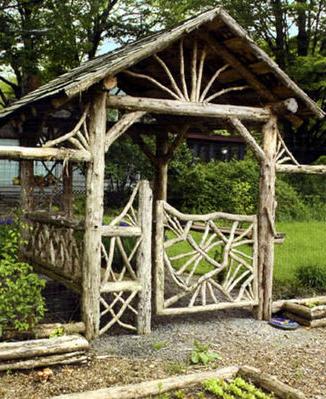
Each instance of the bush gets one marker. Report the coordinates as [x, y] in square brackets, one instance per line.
[230, 187]
[21, 301]
[216, 186]
[289, 204]
[313, 276]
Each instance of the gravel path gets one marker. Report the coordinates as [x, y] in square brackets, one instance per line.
[297, 357]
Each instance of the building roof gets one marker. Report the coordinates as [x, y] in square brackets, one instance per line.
[80, 79]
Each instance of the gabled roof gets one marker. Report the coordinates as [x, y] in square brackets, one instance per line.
[80, 79]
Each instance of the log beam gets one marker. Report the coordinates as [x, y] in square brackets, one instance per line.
[93, 218]
[176, 107]
[43, 154]
[249, 139]
[308, 169]
[121, 126]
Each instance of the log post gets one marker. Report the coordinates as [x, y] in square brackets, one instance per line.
[161, 172]
[26, 171]
[68, 189]
[26, 184]
[144, 260]
[266, 218]
[91, 273]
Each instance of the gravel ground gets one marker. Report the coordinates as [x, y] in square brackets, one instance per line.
[296, 357]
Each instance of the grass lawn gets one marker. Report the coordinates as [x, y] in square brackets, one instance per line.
[305, 244]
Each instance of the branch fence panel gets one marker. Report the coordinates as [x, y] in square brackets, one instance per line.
[126, 265]
[205, 262]
[55, 245]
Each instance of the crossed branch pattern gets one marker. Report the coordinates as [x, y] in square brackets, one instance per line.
[119, 265]
[189, 89]
[207, 264]
[57, 248]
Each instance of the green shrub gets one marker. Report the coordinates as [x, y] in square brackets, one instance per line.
[216, 186]
[289, 204]
[313, 276]
[21, 301]
[230, 187]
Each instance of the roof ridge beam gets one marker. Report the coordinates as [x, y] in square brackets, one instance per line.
[185, 108]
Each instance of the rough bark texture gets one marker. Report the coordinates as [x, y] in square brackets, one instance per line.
[176, 107]
[93, 217]
[266, 216]
[144, 259]
[152, 388]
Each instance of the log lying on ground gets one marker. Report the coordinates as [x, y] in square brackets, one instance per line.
[151, 388]
[305, 322]
[270, 383]
[41, 352]
[52, 360]
[278, 305]
[45, 331]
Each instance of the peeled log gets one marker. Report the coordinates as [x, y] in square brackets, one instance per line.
[42, 347]
[270, 383]
[44, 361]
[151, 388]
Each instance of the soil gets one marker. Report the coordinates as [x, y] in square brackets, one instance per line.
[295, 357]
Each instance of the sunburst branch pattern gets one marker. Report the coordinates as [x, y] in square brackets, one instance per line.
[283, 154]
[78, 137]
[181, 90]
[206, 264]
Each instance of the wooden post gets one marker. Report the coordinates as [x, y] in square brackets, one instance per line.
[161, 172]
[159, 258]
[144, 259]
[68, 195]
[26, 172]
[26, 184]
[91, 273]
[266, 217]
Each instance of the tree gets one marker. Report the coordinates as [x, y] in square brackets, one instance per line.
[41, 39]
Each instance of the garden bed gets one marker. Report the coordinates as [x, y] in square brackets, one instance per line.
[227, 383]
[311, 313]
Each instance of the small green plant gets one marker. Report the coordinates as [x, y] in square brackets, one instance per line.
[202, 354]
[312, 305]
[173, 368]
[180, 394]
[159, 345]
[57, 332]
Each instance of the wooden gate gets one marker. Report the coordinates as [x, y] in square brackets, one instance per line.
[204, 262]
[125, 290]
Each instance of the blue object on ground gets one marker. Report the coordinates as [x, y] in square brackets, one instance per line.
[283, 323]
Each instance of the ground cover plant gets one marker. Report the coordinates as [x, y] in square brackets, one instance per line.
[237, 388]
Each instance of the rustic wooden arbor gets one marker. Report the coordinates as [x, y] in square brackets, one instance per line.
[204, 73]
